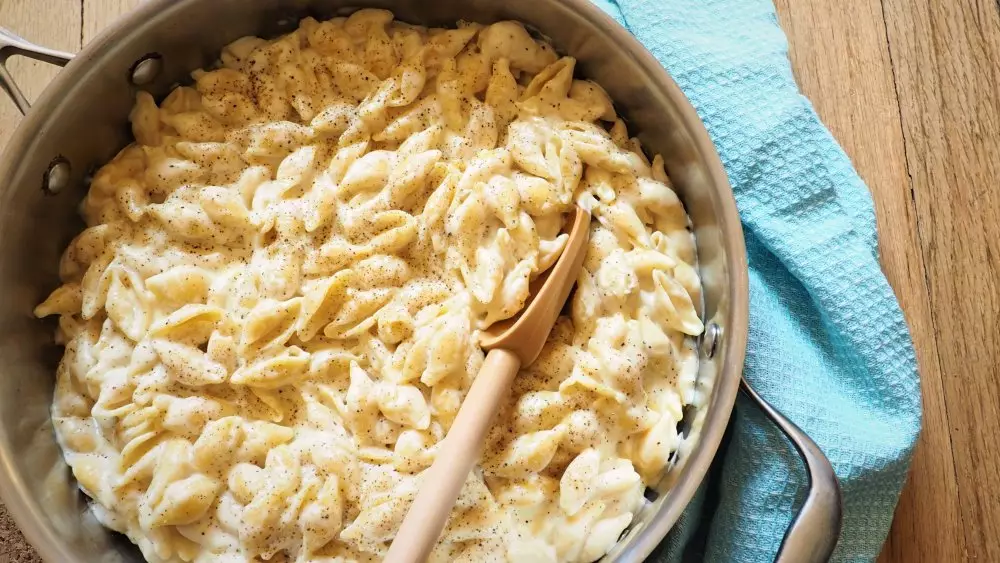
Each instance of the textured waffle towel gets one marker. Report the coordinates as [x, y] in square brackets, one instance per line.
[828, 345]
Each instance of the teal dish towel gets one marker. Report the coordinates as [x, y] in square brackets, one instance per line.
[828, 345]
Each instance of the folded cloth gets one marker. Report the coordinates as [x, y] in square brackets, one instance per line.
[828, 345]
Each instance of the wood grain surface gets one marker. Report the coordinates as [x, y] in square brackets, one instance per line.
[911, 89]
[945, 60]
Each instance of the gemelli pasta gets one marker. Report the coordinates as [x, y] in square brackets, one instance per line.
[273, 315]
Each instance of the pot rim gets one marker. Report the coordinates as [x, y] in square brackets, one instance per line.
[33, 524]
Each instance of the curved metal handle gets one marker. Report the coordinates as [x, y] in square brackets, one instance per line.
[11, 44]
[813, 534]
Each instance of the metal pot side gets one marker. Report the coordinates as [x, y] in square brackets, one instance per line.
[82, 119]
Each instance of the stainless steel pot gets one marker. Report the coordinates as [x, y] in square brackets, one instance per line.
[80, 122]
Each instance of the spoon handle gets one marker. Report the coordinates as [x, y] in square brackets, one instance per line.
[813, 534]
[459, 451]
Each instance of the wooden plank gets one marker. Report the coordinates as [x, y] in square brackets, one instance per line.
[841, 58]
[52, 23]
[56, 24]
[945, 60]
[98, 14]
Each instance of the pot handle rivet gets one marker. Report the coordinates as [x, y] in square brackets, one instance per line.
[57, 176]
[146, 69]
[710, 340]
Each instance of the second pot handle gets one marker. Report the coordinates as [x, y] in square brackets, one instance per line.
[813, 534]
[11, 44]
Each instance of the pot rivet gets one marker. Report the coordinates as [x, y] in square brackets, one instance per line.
[710, 340]
[56, 177]
[146, 69]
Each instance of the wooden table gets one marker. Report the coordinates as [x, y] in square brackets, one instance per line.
[911, 88]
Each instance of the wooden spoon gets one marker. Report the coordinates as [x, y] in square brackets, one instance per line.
[511, 344]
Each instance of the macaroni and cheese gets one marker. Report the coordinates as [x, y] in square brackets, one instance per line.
[273, 315]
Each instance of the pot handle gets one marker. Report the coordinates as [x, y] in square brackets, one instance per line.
[813, 534]
[10, 45]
